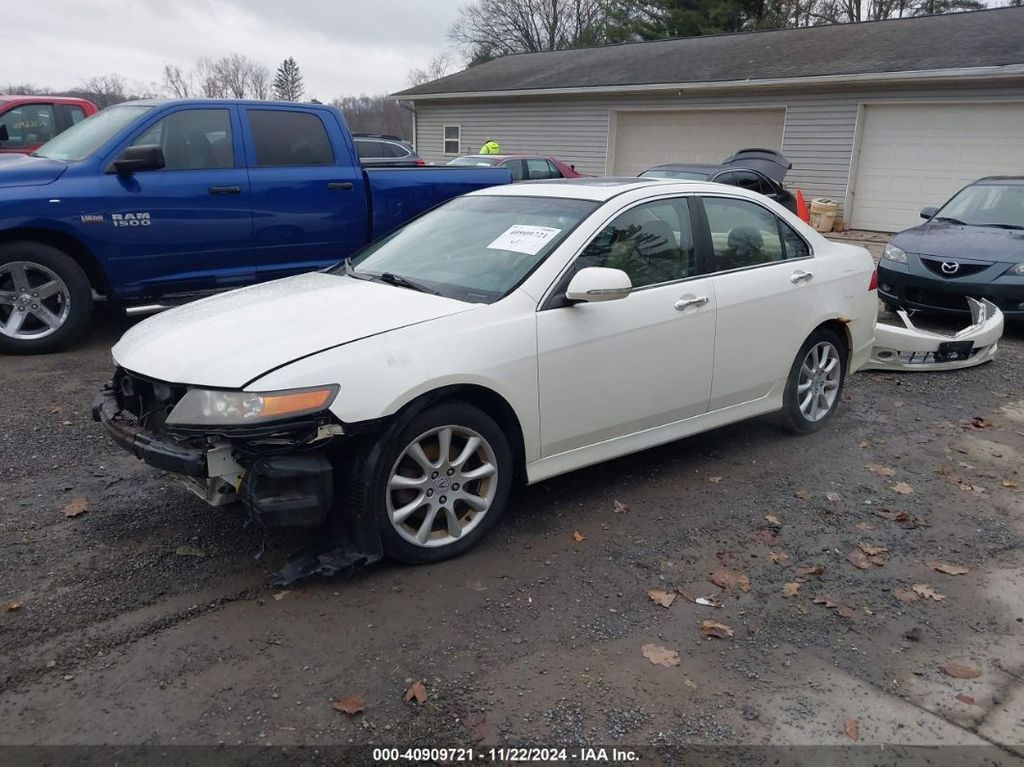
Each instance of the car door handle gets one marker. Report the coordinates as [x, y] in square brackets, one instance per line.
[686, 302]
[346, 185]
[225, 190]
[798, 276]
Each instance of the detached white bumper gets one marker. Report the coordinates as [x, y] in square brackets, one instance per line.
[909, 348]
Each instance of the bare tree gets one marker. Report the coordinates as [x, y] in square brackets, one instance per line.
[489, 28]
[375, 114]
[178, 83]
[438, 67]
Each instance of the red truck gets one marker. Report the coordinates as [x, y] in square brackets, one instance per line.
[28, 122]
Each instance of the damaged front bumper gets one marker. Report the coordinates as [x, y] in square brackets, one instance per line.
[910, 348]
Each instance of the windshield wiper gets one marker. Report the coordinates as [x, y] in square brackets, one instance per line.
[350, 271]
[950, 220]
[1004, 226]
[404, 282]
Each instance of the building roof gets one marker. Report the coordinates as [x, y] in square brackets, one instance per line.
[951, 43]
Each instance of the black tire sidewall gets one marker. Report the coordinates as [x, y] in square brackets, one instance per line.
[78, 286]
[791, 404]
[382, 458]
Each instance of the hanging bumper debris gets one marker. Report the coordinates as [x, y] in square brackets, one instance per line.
[910, 348]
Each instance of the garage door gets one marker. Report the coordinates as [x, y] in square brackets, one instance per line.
[915, 155]
[643, 139]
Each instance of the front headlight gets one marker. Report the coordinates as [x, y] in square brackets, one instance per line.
[892, 253]
[209, 407]
[1016, 271]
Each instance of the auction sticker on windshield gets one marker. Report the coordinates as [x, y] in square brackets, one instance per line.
[524, 239]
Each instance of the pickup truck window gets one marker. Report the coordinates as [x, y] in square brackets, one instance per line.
[80, 141]
[289, 138]
[28, 124]
[193, 139]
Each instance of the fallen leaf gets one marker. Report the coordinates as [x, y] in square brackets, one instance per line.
[812, 570]
[75, 506]
[901, 518]
[708, 601]
[779, 557]
[826, 600]
[790, 589]
[10, 607]
[942, 567]
[925, 590]
[417, 692]
[351, 705]
[848, 612]
[905, 596]
[579, 537]
[864, 527]
[726, 579]
[864, 443]
[902, 488]
[620, 508]
[773, 520]
[690, 683]
[965, 699]
[189, 551]
[879, 471]
[960, 671]
[858, 560]
[716, 480]
[852, 729]
[1011, 483]
[663, 598]
[872, 551]
[966, 486]
[660, 656]
[281, 595]
[55, 409]
[716, 630]
[833, 497]
[769, 536]
[802, 494]
[980, 424]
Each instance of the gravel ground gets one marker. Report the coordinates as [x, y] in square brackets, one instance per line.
[146, 619]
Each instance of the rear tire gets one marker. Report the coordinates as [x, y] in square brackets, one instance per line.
[437, 482]
[815, 384]
[45, 299]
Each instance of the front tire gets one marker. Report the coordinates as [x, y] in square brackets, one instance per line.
[438, 482]
[815, 383]
[45, 299]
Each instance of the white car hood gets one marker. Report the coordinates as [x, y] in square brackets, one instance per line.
[228, 340]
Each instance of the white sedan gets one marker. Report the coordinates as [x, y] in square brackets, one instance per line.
[510, 335]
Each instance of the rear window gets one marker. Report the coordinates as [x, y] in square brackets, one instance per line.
[283, 138]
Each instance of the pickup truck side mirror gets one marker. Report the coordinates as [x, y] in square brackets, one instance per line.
[135, 158]
[4, 135]
[927, 213]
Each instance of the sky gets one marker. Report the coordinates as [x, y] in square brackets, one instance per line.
[343, 47]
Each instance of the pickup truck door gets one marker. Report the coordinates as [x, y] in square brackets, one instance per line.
[309, 196]
[186, 227]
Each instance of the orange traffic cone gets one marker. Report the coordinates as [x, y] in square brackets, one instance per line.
[801, 207]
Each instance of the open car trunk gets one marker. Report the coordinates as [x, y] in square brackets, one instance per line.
[767, 161]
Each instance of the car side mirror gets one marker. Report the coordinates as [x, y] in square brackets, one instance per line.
[927, 213]
[599, 283]
[4, 135]
[135, 158]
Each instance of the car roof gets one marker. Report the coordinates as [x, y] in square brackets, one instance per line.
[1001, 180]
[596, 189]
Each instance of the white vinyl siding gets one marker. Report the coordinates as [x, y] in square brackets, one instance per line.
[646, 138]
[819, 134]
[915, 155]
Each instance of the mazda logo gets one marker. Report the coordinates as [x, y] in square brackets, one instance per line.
[950, 267]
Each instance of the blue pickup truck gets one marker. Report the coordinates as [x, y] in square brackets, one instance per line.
[150, 203]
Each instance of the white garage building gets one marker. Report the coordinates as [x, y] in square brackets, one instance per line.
[883, 117]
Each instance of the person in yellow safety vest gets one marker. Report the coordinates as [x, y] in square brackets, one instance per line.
[490, 147]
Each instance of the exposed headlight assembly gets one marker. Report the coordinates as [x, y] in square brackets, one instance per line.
[1016, 271]
[210, 407]
[894, 254]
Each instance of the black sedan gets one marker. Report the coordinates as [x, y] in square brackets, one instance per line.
[971, 246]
[760, 170]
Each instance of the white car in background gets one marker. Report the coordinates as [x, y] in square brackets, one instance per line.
[512, 334]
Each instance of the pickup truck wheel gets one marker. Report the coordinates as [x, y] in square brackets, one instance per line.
[815, 382]
[439, 483]
[45, 299]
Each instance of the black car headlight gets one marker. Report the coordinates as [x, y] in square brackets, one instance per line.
[894, 254]
[212, 407]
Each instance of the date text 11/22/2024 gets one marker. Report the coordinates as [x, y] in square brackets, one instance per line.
[506, 754]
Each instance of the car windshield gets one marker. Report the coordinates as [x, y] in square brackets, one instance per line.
[684, 175]
[477, 160]
[81, 140]
[999, 205]
[475, 248]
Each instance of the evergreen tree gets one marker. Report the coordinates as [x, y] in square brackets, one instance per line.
[288, 81]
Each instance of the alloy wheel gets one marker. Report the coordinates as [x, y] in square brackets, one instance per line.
[818, 383]
[34, 300]
[441, 486]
